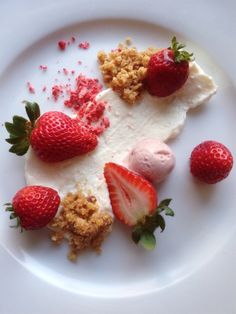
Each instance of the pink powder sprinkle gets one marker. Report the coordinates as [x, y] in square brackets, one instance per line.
[31, 88]
[65, 71]
[44, 88]
[43, 67]
[79, 62]
[62, 44]
[72, 72]
[84, 45]
[72, 39]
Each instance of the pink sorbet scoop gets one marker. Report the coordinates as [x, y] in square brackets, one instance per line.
[152, 159]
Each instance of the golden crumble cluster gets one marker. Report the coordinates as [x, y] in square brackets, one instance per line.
[124, 70]
[81, 223]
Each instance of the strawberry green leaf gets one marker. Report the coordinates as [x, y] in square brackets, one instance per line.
[179, 54]
[14, 130]
[143, 232]
[9, 209]
[147, 240]
[164, 206]
[165, 202]
[20, 129]
[13, 216]
[14, 140]
[160, 222]
[32, 110]
[136, 233]
[169, 211]
[150, 223]
[20, 148]
[19, 122]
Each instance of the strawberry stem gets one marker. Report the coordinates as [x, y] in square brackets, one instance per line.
[180, 54]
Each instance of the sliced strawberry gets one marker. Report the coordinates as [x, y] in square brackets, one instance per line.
[134, 202]
[132, 197]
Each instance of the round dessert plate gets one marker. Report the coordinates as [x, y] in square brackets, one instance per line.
[192, 268]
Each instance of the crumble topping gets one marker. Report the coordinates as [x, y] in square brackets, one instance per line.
[82, 223]
[124, 70]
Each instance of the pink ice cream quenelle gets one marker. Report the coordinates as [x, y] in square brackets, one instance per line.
[152, 159]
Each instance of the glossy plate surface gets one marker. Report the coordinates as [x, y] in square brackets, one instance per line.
[192, 270]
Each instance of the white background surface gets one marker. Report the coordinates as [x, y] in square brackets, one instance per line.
[211, 287]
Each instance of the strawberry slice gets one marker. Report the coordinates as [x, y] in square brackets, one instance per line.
[132, 197]
[134, 202]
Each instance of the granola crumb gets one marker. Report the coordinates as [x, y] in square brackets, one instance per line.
[124, 70]
[81, 223]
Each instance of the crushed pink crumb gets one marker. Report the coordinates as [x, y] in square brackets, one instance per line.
[65, 71]
[43, 67]
[79, 62]
[83, 101]
[44, 88]
[57, 91]
[84, 45]
[106, 122]
[72, 72]
[62, 44]
[31, 88]
[72, 39]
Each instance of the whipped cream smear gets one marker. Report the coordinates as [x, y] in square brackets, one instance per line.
[151, 117]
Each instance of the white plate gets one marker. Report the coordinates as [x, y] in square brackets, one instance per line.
[192, 270]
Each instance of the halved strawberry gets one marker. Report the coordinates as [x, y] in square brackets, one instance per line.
[132, 197]
[134, 202]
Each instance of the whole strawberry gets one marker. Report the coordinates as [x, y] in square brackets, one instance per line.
[134, 202]
[54, 136]
[34, 206]
[168, 70]
[211, 162]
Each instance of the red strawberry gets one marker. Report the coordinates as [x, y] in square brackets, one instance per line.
[34, 206]
[168, 70]
[211, 162]
[134, 202]
[53, 136]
